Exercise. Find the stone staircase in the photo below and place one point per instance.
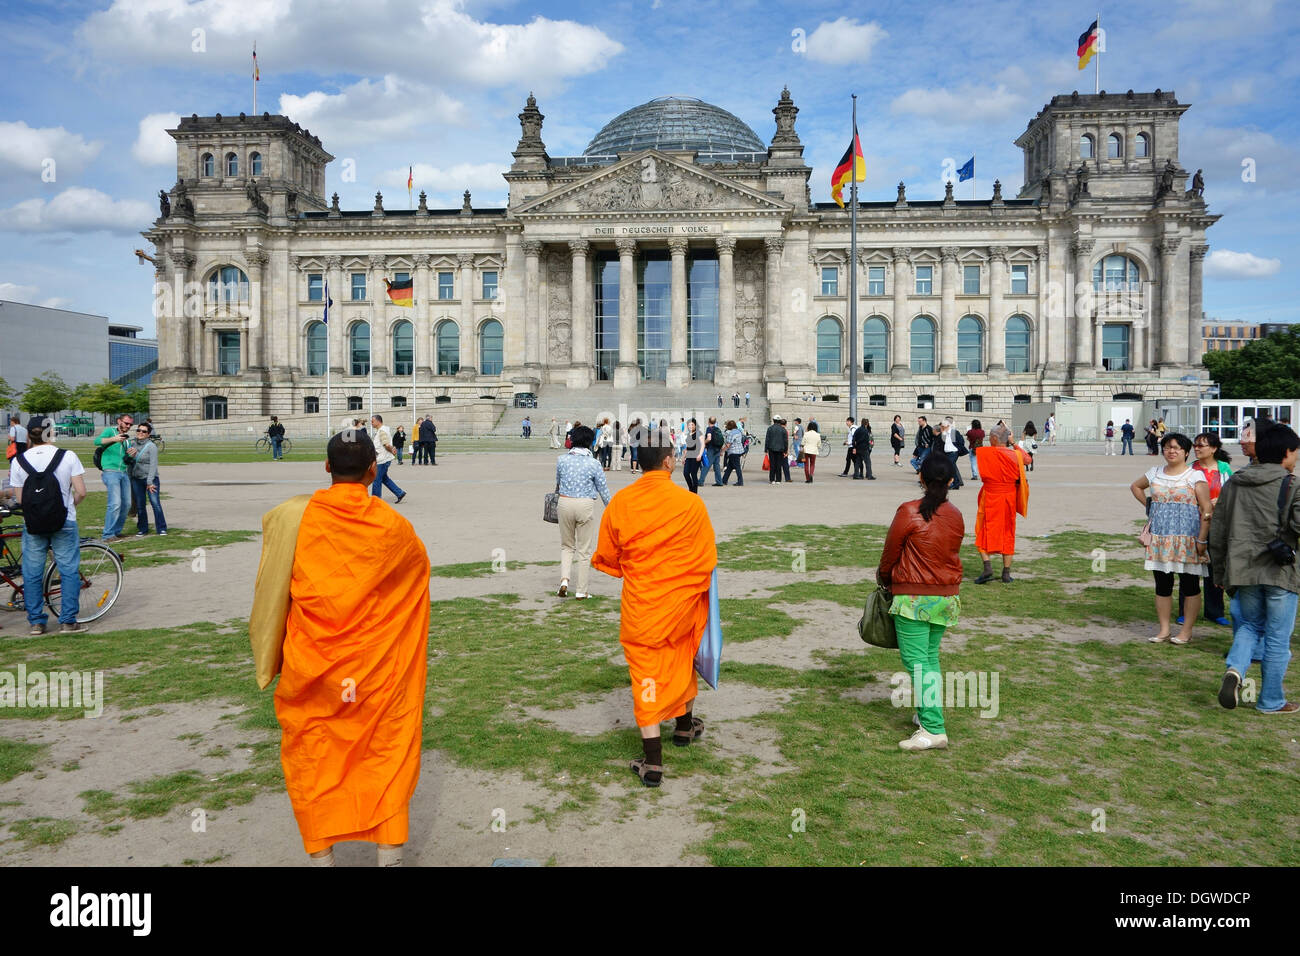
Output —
(589, 405)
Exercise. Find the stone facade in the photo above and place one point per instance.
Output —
(243, 260)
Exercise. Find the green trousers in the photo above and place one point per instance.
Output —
(918, 645)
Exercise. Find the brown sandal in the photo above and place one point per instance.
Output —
(684, 738)
(645, 770)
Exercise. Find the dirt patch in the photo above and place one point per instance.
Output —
(828, 628)
(613, 711)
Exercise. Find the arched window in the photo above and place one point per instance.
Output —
(970, 344)
(255, 164)
(1017, 344)
(317, 348)
(403, 348)
(359, 348)
(227, 285)
(1116, 274)
(232, 164)
(1143, 145)
(875, 346)
(1114, 146)
(209, 165)
(922, 344)
(448, 337)
(491, 348)
(828, 347)
(1086, 144)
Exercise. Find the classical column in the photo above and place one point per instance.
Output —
(337, 325)
(1052, 324)
(185, 331)
(256, 367)
(468, 357)
(286, 334)
(1081, 248)
(948, 313)
(724, 372)
(997, 321)
(628, 373)
(1195, 344)
(423, 320)
(378, 315)
(900, 338)
(532, 305)
(679, 372)
(773, 369)
(581, 345)
(1169, 247)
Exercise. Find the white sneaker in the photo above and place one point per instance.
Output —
(924, 740)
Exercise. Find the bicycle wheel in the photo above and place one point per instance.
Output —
(286, 446)
(162, 445)
(100, 582)
(263, 444)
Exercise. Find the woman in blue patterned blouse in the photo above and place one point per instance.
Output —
(579, 479)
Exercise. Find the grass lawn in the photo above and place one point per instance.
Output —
(1105, 750)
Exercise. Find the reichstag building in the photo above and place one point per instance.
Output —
(678, 249)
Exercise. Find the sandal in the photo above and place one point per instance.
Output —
(1158, 639)
(1180, 643)
(684, 738)
(645, 771)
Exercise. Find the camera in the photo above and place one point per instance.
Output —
(1281, 552)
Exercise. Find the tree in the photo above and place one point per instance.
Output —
(137, 399)
(45, 394)
(7, 395)
(105, 398)
(1265, 368)
(80, 395)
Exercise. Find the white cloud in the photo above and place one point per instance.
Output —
(153, 146)
(844, 41)
(28, 148)
(426, 40)
(12, 292)
(1226, 264)
(1228, 153)
(78, 209)
(370, 111)
(484, 177)
(967, 105)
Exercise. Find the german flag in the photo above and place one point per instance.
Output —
(400, 292)
(851, 165)
(1088, 41)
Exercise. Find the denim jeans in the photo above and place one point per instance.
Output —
(275, 447)
(974, 467)
(118, 486)
(382, 481)
(716, 461)
(1262, 619)
(66, 544)
(1126, 446)
(144, 493)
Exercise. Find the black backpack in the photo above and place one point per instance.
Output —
(43, 509)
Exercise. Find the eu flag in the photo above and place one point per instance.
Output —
(967, 171)
(328, 303)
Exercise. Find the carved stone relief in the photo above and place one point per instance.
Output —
(559, 331)
(751, 283)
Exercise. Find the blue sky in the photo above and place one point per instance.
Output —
(438, 84)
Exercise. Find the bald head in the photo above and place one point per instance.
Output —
(1000, 436)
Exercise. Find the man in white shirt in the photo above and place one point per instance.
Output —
(949, 438)
(848, 446)
(25, 470)
(384, 455)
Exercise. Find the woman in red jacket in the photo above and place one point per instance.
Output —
(921, 567)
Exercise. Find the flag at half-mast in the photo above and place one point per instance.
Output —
(1088, 42)
(400, 292)
(851, 166)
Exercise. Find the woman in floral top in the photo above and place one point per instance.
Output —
(1179, 513)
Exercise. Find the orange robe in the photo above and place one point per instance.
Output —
(657, 537)
(351, 695)
(1004, 493)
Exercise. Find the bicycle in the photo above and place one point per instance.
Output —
(100, 572)
(263, 445)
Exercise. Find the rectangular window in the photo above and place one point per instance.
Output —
(605, 327)
(924, 280)
(310, 405)
(881, 400)
(398, 401)
(227, 354)
(358, 287)
(489, 285)
(1020, 279)
(315, 287)
(974, 403)
(214, 408)
(970, 280)
(354, 403)
(830, 280)
(875, 280)
(401, 277)
(446, 285)
(1114, 348)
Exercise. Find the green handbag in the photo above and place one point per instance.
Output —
(877, 624)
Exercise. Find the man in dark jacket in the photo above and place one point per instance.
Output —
(862, 441)
(924, 439)
(716, 442)
(275, 432)
(776, 444)
(1259, 505)
(429, 436)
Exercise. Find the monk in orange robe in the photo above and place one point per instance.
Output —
(351, 695)
(657, 537)
(1004, 493)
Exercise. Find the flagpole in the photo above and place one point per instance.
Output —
(1097, 86)
(853, 266)
(370, 364)
(254, 77)
(973, 167)
(329, 413)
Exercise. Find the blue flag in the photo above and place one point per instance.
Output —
(328, 303)
(967, 171)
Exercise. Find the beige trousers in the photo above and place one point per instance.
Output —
(578, 530)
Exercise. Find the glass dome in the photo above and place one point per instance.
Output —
(675, 123)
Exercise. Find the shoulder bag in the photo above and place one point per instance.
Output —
(551, 505)
(877, 625)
